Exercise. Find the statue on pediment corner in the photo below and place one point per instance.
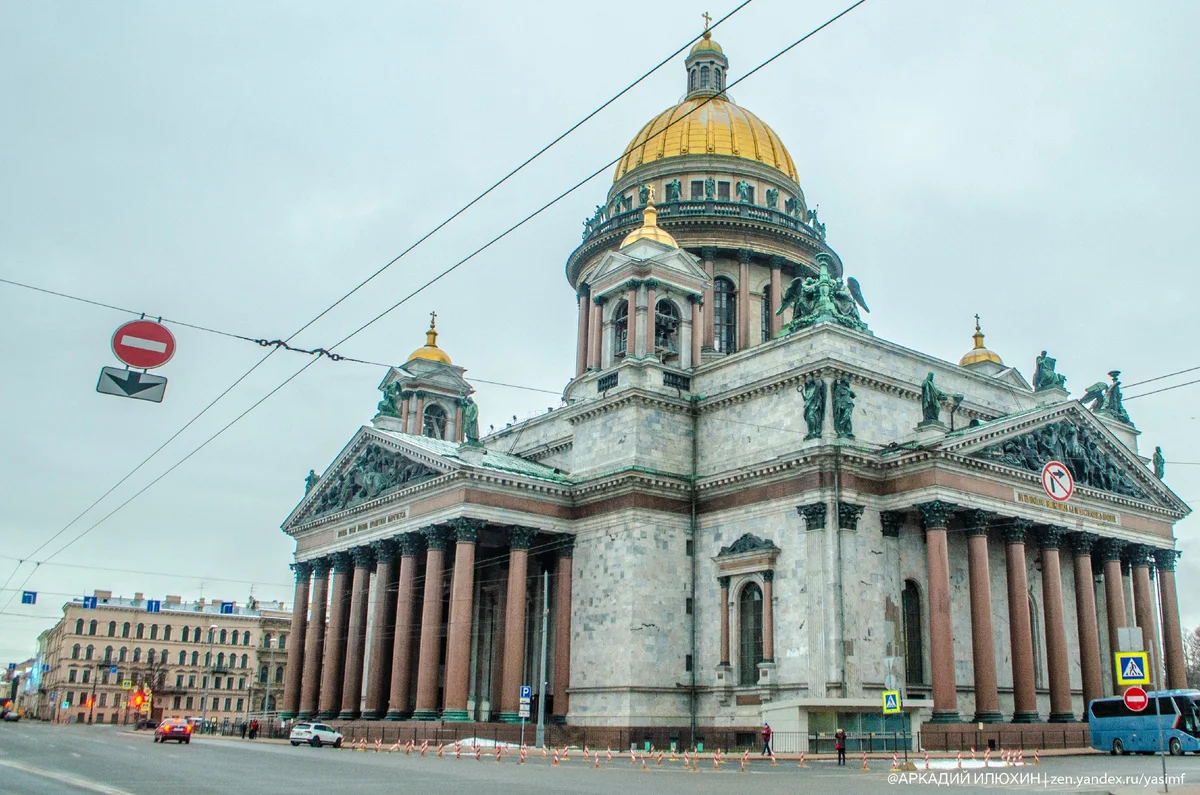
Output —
(1044, 375)
(390, 405)
(1160, 463)
(470, 413)
(310, 480)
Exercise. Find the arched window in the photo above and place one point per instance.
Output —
(75, 652)
(125, 630)
(150, 656)
(141, 631)
(92, 628)
(766, 313)
(267, 640)
(621, 328)
(666, 328)
(724, 315)
(434, 423)
(704, 77)
(224, 636)
(717, 77)
(914, 657)
(750, 629)
(112, 629)
(246, 638)
(79, 627)
(221, 659)
(262, 675)
(167, 632)
(89, 651)
(282, 642)
(182, 657)
(245, 661)
(154, 632)
(692, 77)
(195, 658)
(123, 654)
(208, 659)
(108, 653)
(278, 674)
(137, 655)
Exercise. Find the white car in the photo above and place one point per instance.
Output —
(315, 734)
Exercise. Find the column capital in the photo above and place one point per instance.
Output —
(935, 513)
(410, 544)
(1110, 549)
(651, 283)
(521, 537)
(814, 515)
(436, 537)
(723, 582)
(1083, 543)
(632, 284)
(302, 568)
(768, 575)
(1051, 536)
(565, 546)
(776, 262)
(420, 393)
(321, 566)
(1138, 555)
(696, 299)
(708, 253)
(1016, 530)
(976, 522)
(385, 548)
(743, 255)
(848, 515)
(1164, 559)
(583, 291)
(342, 562)
(598, 300)
(363, 556)
(466, 531)
(891, 522)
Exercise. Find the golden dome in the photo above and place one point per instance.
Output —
(979, 353)
(706, 44)
(703, 125)
(430, 351)
(649, 230)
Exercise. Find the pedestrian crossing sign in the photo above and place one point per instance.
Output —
(1133, 668)
(891, 702)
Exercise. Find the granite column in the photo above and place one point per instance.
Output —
(334, 664)
(1114, 598)
(1086, 618)
(462, 604)
(562, 625)
(1019, 628)
(356, 633)
(934, 516)
(514, 625)
(429, 655)
(314, 641)
(295, 671)
(381, 630)
(401, 680)
(1057, 660)
(987, 699)
(1172, 634)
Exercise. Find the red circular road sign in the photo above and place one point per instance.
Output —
(1057, 481)
(143, 344)
(1135, 699)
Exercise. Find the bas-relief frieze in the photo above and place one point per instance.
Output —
(374, 472)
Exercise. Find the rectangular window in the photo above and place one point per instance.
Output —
(697, 189)
(228, 704)
(187, 703)
(71, 675)
(240, 702)
(689, 547)
(766, 314)
(104, 699)
(241, 683)
(104, 677)
(229, 683)
(687, 605)
(87, 675)
(751, 189)
(175, 705)
(723, 191)
(191, 680)
(687, 663)
(179, 681)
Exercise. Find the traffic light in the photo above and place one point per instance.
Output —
(138, 700)
(89, 703)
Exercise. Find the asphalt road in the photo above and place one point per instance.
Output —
(37, 758)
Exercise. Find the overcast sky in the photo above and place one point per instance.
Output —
(241, 165)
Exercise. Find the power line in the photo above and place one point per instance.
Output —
(1164, 389)
(1161, 377)
(177, 575)
(443, 273)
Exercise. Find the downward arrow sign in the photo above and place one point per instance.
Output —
(132, 383)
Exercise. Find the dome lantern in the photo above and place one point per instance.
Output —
(979, 353)
(430, 351)
(707, 67)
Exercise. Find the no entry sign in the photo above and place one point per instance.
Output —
(143, 344)
(1135, 699)
(1057, 481)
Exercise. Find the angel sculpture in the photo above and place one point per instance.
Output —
(823, 298)
(1096, 395)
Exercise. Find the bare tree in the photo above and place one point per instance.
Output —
(1191, 657)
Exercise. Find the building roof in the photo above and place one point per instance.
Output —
(480, 457)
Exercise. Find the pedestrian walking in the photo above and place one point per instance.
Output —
(244, 730)
(766, 738)
(839, 738)
(253, 729)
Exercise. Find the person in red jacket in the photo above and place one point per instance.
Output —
(766, 738)
(840, 742)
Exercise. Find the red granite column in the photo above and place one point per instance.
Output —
(1057, 660)
(562, 625)
(314, 643)
(631, 325)
(595, 331)
(1019, 629)
(941, 632)
(462, 603)
(398, 699)
(743, 293)
(768, 616)
(1114, 598)
(983, 638)
(776, 320)
(291, 685)
(429, 654)
(724, 607)
(581, 344)
(404, 396)
(1172, 634)
(697, 329)
(708, 254)
(419, 416)
(514, 625)
(1085, 616)
(333, 665)
(381, 630)
(458, 423)
(1139, 558)
(651, 301)
(356, 633)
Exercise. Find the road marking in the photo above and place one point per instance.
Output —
(78, 783)
(143, 344)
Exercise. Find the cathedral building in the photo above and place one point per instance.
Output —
(747, 506)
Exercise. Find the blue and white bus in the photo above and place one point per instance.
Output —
(1117, 729)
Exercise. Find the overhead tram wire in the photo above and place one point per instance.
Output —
(358, 287)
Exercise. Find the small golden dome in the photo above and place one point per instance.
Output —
(979, 353)
(706, 125)
(430, 351)
(649, 230)
(706, 44)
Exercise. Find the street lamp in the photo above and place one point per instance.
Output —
(270, 668)
(212, 636)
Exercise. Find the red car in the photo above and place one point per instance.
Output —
(173, 729)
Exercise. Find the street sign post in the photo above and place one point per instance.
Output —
(891, 702)
(1133, 668)
(143, 344)
(131, 384)
(1057, 481)
(1135, 699)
